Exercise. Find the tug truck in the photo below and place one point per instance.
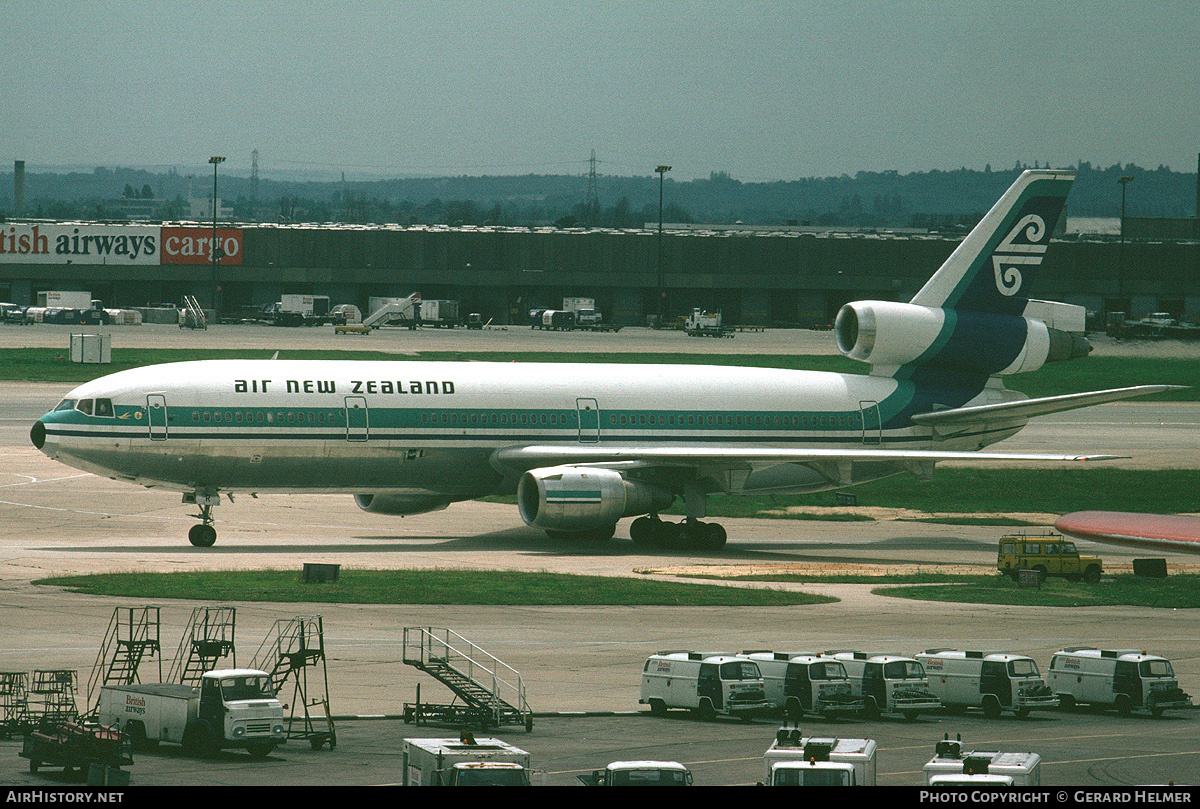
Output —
(993, 681)
(951, 766)
(887, 684)
(639, 774)
(1121, 678)
(465, 761)
(805, 683)
(793, 760)
(709, 685)
(230, 708)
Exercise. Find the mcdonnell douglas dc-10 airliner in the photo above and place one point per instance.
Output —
(585, 445)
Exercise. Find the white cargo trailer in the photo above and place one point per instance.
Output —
(465, 761)
(993, 681)
(795, 760)
(230, 708)
(1125, 679)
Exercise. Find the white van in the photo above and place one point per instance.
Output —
(951, 765)
(887, 684)
(1123, 678)
(805, 683)
(993, 681)
(709, 685)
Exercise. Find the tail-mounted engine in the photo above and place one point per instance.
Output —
(889, 335)
(579, 498)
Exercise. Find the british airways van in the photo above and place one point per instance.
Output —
(709, 685)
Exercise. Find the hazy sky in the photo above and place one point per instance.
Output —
(762, 90)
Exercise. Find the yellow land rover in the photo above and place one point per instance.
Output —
(1050, 555)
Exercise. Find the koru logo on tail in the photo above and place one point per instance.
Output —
(1011, 254)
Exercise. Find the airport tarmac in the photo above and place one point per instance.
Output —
(55, 520)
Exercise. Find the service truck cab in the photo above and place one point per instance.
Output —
(1125, 679)
(993, 681)
(465, 761)
(794, 760)
(887, 684)
(639, 774)
(230, 708)
(707, 684)
(805, 683)
(951, 765)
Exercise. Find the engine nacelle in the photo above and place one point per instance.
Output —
(397, 503)
(580, 498)
(893, 334)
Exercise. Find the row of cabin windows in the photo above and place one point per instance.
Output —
(711, 420)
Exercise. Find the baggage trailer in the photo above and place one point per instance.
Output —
(75, 746)
(230, 708)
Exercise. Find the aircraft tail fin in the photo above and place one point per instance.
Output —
(987, 272)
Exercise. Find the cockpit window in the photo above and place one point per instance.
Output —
(84, 406)
(104, 407)
(65, 404)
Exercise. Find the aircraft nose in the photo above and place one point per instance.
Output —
(38, 434)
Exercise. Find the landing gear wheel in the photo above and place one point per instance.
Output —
(716, 537)
(202, 536)
(643, 529)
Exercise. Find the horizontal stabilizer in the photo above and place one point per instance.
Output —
(1028, 408)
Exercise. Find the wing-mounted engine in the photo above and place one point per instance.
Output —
(400, 503)
(891, 335)
(581, 498)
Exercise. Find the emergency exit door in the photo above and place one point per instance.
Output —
(156, 416)
(589, 420)
(357, 419)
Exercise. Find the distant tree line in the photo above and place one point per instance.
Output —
(868, 199)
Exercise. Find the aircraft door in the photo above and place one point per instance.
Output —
(871, 429)
(589, 420)
(357, 419)
(156, 416)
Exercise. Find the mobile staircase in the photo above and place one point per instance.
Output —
(291, 648)
(132, 636)
(208, 637)
(192, 316)
(488, 692)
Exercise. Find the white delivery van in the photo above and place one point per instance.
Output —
(951, 765)
(795, 760)
(993, 681)
(639, 774)
(1122, 678)
(805, 683)
(887, 684)
(707, 684)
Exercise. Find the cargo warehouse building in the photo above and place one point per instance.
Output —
(758, 276)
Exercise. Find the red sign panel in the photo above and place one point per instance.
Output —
(194, 246)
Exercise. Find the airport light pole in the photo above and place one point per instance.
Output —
(216, 161)
(1124, 181)
(662, 303)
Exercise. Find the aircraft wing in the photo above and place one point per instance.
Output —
(1027, 408)
(524, 458)
(1167, 532)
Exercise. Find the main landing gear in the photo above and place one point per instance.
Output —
(691, 533)
(203, 535)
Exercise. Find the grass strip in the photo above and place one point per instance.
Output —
(442, 586)
(1180, 591)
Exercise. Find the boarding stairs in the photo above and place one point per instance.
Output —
(192, 316)
(402, 312)
(488, 692)
(208, 637)
(290, 650)
(131, 637)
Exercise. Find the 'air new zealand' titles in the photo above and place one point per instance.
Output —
(585, 445)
